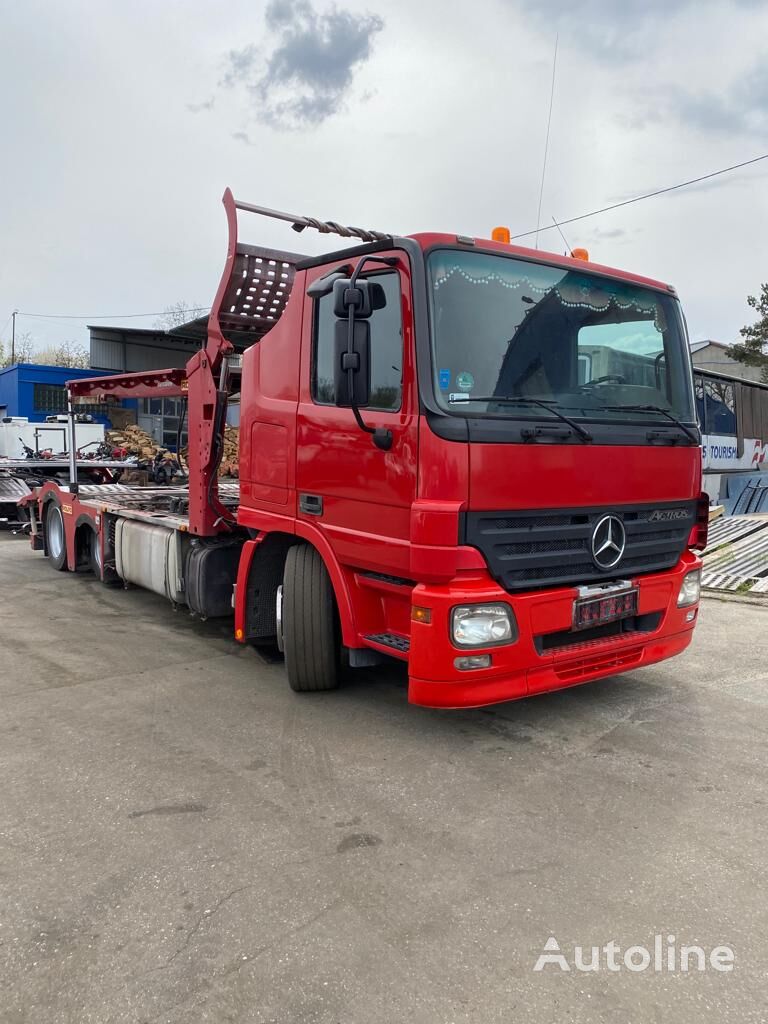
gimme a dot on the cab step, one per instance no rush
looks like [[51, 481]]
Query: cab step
[[394, 642]]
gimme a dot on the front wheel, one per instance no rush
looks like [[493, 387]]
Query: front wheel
[[308, 620], [55, 538]]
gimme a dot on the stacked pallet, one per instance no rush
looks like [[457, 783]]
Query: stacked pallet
[[136, 441]]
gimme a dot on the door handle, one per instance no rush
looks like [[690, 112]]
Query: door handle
[[311, 504]]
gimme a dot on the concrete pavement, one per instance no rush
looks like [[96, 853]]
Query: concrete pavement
[[183, 839]]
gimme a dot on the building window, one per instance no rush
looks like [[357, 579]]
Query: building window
[[160, 418], [720, 407], [50, 398], [386, 347]]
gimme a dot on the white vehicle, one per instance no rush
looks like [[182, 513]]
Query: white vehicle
[[733, 415]]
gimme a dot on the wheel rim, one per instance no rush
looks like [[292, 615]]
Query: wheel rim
[[279, 617], [96, 549], [55, 533]]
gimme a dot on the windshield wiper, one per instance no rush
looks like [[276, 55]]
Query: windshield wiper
[[655, 408], [545, 403]]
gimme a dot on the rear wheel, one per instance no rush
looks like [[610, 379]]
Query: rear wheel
[[55, 538], [308, 620], [94, 553]]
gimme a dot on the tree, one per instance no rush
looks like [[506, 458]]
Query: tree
[[23, 350], [179, 313], [752, 350], [67, 353]]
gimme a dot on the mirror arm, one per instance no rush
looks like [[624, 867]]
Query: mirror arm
[[323, 285], [382, 436], [389, 261]]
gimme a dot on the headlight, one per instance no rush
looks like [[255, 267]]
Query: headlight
[[483, 625], [690, 589]]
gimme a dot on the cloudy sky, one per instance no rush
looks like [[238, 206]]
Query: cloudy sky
[[123, 123]]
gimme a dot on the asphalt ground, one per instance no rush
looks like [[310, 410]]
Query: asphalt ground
[[183, 839]]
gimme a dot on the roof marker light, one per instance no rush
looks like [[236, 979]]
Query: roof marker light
[[580, 254], [501, 234]]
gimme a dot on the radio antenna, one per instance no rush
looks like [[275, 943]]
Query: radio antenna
[[546, 141], [568, 248]]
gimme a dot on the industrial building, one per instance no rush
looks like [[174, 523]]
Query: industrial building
[[127, 349], [714, 356], [36, 392]]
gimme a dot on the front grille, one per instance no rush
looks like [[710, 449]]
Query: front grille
[[526, 549], [588, 665]]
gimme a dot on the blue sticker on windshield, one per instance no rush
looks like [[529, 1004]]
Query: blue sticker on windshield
[[445, 379]]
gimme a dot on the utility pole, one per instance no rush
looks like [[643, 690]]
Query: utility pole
[[13, 338]]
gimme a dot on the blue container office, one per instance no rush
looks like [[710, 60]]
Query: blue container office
[[36, 392]]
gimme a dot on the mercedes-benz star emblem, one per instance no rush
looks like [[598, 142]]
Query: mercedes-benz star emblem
[[608, 542]]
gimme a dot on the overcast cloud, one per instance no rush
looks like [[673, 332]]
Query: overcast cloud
[[738, 108], [123, 124], [304, 77]]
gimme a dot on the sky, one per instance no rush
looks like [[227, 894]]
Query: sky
[[124, 122]]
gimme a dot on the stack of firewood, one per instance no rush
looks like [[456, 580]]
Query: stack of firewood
[[230, 465], [136, 441]]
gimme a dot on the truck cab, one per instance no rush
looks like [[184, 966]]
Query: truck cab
[[477, 458]]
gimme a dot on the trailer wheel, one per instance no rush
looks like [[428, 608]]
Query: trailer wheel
[[55, 538], [309, 629], [94, 553]]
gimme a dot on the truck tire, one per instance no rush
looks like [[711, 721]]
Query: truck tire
[[55, 537], [310, 633], [94, 553]]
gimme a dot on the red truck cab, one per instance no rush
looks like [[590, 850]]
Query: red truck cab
[[513, 504]]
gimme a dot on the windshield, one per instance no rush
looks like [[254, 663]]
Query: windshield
[[591, 345]]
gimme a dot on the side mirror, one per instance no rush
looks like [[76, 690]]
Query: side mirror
[[357, 297], [358, 361]]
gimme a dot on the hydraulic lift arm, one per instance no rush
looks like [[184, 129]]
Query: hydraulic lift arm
[[252, 295]]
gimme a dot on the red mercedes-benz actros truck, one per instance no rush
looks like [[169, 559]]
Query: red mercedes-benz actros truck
[[477, 458]]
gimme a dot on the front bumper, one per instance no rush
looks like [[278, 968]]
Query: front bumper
[[523, 668]]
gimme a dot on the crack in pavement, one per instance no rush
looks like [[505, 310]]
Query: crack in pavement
[[206, 915]]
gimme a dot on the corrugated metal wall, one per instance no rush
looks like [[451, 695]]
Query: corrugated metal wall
[[126, 351], [106, 354]]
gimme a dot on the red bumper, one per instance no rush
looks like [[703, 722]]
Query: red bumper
[[523, 668]]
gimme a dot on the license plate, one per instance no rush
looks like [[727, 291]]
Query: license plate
[[596, 611]]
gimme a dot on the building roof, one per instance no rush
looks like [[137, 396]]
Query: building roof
[[193, 333], [84, 371], [697, 346]]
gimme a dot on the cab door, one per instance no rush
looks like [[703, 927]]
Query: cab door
[[357, 494]]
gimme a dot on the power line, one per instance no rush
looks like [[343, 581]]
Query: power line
[[523, 234], [546, 141], [557, 225], [108, 316], [647, 195]]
